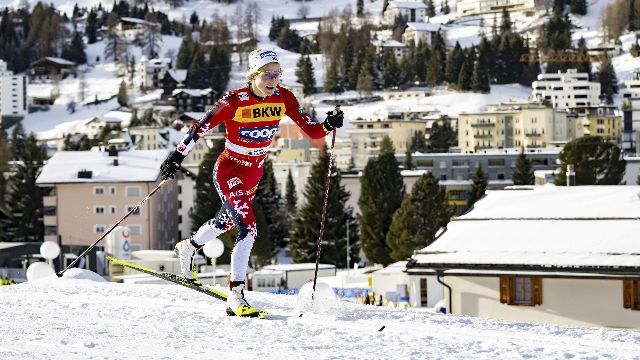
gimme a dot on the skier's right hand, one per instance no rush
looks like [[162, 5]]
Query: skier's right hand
[[170, 165]]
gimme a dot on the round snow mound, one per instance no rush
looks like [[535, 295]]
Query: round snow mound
[[82, 274], [38, 271], [322, 300]]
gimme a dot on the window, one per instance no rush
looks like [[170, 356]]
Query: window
[[133, 191], [424, 301], [521, 290], [112, 190], [112, 209], [98, 209], [49, 211], [136, 212], [631, 294], [424, 162], [98, 190], [134, 230], [50, 230], [496, 162], [99, 229]]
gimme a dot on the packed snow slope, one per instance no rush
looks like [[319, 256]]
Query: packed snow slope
[[73, 318]]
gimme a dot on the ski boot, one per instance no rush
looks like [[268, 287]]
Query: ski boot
[[236, 303], [185, 250]]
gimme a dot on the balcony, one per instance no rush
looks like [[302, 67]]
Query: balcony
[[483, 124], [532, 134], [483, 136]]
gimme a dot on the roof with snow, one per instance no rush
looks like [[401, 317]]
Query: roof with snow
[[582, 229], [423, 26], [57, 60], [298, 267], [178, 75], [193, 92], [407, 4], [388, 43], [133, 166]]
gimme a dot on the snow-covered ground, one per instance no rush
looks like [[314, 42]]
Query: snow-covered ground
[[70, 318]]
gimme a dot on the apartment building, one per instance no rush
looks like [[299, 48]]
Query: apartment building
[[366, 136], [412, 11], [89, 191], [602, 120], [395, 47], [481, 7], [149, 73], [513, 125], [566, 90], [419, 32], [13, 96], [631, 113]]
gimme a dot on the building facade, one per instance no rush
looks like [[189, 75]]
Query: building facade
[[151, 72], [566, 90], [410, 10], [602, 120], [193, 100], [515, 125], [13, 96], [631, 113], [419, 32], [479, 7], [89, 191]]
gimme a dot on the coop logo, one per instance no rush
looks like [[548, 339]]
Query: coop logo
[[243, 96], [258, 134], [273, 55], [234, 182]]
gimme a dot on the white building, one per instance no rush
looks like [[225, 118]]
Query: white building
[[477, 7], [416, 32], [151, 72], [631, 111], [413, 11], [132, 28], [562, 255], [567, 90], [13, 95], [396, 47]]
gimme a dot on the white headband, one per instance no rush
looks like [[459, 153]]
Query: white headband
[[261, 57]]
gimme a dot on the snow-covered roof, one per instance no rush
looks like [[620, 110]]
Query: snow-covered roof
[[423, 26], [407, 4], [178, 75], [60, 61], [133, 166], [388, 43], [298, 267], [547, 228], [136, 21], [192, 92]]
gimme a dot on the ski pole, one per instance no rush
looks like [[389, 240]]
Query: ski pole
[[324, 207], [162, 183]]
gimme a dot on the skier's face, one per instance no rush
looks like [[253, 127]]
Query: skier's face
[[266, 79]]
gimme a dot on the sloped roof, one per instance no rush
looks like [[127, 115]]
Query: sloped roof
[[133, 166], [570, 229]]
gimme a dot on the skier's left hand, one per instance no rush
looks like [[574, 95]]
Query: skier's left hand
[[170, 165]]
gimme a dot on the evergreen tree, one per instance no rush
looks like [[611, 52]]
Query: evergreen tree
[[365, 82], [305, 75], [123, 98], [197, 76], [579, 7], [442, 136], [478, 187], [391, 70], [421, 215], [207, 201], [359, 8], [505, 25], [455, 61], [445, 7], [608, 80], [289, 39], [75, 51], [194, 20], [275, 212], [431, 9], [381, 192], [584, 65], [464, 81], [134, 121], [277, 23], [408, 159], [479, 80], [185, 53], [219, 68], [438, 61], [24, 197], [418, 142], [556, 33], [92, 27], [595, 162], [523, 174], [332, 82], [291, 198], [505, 72], [306, 225], [5, 156]]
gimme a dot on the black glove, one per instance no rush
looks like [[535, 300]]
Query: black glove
[[170, 165], [334, 121]]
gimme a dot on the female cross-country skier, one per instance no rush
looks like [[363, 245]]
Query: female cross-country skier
[[251, 115]]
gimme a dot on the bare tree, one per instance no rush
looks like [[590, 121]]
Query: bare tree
[[82, 87]]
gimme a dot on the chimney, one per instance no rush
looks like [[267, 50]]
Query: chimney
[[571, 175], [115, 162], [85, 174]]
